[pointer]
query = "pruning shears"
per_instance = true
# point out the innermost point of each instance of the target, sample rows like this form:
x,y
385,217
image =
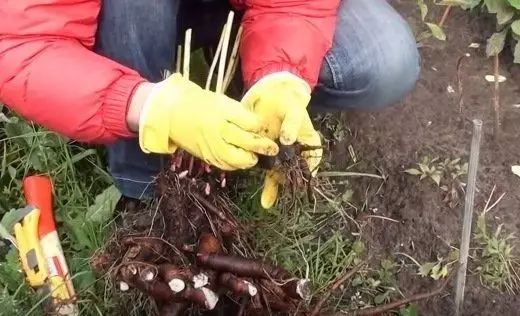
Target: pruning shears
x,y
39,247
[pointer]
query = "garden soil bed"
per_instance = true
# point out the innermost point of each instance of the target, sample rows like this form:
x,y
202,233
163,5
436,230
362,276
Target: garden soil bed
x,y
428,122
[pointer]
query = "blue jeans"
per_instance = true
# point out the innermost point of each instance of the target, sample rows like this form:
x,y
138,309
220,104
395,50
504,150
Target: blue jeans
x,y
373,62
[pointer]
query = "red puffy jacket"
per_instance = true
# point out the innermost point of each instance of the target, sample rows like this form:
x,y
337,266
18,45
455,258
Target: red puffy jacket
x,y
49,74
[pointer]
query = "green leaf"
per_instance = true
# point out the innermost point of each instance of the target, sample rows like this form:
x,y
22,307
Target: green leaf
x,y
423,8
502,9
412,310
104,205
444,272
10,276
515,26
79,234
495,44
380,299
12,172
413,172
514,3
437,31
426,268
436,177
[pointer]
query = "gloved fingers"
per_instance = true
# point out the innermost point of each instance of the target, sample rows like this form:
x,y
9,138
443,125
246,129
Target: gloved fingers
x,y
234,157
291,125
211,157
237,114
270,191
310,137
248,141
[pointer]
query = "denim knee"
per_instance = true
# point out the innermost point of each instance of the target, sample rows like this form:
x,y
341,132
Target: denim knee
x,y
371,66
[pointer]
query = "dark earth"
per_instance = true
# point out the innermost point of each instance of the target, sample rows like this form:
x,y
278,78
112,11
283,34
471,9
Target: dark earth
x,y
428,122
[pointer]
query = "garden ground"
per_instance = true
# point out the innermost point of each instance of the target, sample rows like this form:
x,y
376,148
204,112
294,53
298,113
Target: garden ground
x,y
407,225
429,123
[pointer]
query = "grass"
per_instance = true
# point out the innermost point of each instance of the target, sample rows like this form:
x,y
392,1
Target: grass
x,y
79,176
496,263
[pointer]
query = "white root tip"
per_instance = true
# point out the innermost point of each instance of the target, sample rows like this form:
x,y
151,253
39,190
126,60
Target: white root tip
x,y
183,174
148,275
251,288
200,280
207,189
132,270
123,286
177,285
211,298
223,183
302,288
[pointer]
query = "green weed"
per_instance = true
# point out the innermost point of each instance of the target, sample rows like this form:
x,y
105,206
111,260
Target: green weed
x,y
84,201
446,174
496,264
507,13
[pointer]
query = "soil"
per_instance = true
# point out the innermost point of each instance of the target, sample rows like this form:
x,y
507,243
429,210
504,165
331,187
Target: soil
x,y
430,123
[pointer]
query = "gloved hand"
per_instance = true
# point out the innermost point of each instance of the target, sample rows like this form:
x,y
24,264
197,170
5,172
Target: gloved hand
x,y
281,100
212,127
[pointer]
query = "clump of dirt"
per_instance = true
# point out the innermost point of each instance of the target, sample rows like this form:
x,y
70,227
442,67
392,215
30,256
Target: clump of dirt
x,y
180,251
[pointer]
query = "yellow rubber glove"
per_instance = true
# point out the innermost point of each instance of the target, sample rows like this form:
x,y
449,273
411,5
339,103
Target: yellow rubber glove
x,y
281,100
212,127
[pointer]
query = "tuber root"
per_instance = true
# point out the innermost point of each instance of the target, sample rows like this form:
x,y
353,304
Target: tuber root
x,y
242,267
175,277
202,296
156,289
146,249
238,286
297,288
200,280
208,244
172,309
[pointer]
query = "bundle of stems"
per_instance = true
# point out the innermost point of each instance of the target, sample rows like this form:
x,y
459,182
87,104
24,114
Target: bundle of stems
x,y
224,73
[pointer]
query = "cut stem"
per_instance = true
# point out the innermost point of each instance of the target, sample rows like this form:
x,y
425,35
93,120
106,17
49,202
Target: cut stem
x,y
215,59
187,53
179,59
225,45
233,61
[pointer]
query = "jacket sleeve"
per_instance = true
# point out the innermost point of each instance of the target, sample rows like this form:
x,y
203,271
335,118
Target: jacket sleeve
x,y
50,75
281,35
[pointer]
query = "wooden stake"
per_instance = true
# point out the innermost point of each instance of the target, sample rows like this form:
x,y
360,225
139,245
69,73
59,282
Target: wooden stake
x,y
187,54
223,56
468,216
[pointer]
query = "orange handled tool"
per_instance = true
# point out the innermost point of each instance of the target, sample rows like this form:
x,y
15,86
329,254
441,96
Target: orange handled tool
x,y
38,194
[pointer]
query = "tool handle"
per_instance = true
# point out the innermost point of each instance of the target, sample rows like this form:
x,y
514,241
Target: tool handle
x,y
37,190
